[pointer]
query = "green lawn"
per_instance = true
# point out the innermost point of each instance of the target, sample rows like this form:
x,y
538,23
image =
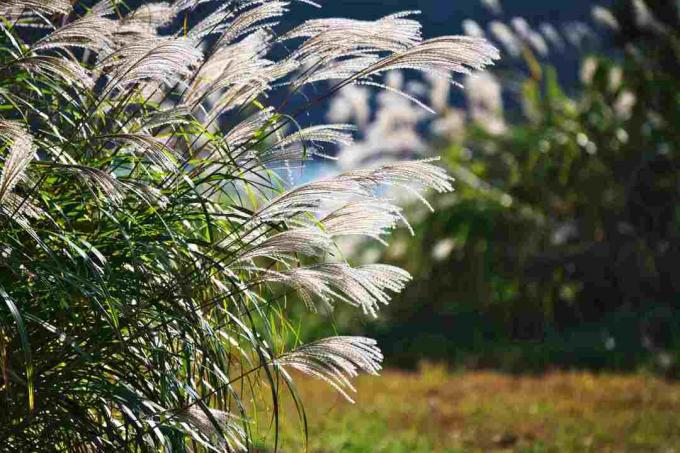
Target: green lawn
x,y
435,411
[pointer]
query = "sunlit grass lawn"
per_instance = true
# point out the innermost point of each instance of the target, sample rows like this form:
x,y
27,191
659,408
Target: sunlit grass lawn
x,y
435,411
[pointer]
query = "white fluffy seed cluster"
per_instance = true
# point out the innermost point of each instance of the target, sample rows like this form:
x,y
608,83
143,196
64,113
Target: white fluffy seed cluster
x,y
336,360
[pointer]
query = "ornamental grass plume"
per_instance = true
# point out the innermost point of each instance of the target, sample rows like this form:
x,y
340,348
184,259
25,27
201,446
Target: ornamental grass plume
x,y
148,243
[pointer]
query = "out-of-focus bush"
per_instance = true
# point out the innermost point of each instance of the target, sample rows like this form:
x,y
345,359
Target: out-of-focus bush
x,y
561,245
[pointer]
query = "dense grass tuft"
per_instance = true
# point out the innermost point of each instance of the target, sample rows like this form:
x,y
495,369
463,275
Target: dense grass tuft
x,y
147,251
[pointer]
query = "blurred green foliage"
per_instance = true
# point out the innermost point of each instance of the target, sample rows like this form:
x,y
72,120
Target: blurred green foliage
x,y
561,246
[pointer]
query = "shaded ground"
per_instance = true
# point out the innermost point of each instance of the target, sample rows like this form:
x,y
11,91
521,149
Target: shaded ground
x,y
481,411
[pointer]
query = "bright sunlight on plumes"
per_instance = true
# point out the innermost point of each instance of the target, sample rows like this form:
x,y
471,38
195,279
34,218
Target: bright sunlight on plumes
x,y
149,243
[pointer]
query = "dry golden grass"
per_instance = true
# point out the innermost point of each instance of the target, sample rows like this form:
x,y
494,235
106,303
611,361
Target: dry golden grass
x,y
433,410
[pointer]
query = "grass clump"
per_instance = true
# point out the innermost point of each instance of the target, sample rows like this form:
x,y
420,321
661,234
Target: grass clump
x,y
147,246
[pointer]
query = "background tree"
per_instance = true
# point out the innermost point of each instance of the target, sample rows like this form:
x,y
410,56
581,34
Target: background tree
x,y
560,246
